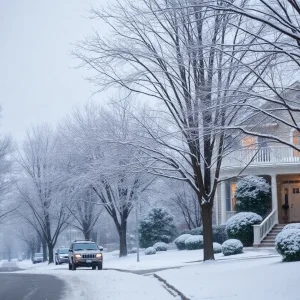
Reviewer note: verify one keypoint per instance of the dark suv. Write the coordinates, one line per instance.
(85, 254)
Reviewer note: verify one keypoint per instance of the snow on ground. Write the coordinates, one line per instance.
(174, 258)
(110, 284)
(87, 284)
(259, 279)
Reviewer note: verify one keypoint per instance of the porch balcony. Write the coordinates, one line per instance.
(273, 155)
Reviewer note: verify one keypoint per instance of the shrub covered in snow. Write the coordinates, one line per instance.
(232, 247)
(253, 195)
(180, 241)
(292, 226)
(133, 250)
(115, 253)
(160, 246)
(287, 244)
(219, 233)
(217, 247)
(194, 242)
(158, 226)
(150, 251)
(196, 231)
(240, 227)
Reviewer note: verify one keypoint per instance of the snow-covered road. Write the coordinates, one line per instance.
(109, 284)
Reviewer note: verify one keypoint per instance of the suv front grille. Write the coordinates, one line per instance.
(88, 255)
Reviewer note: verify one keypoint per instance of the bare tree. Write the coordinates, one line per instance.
(30, 237)
(6, 202)
(184, 201)
(86, 211)
(8, 244)
(183, 55)
(40, 188)
(98, 163)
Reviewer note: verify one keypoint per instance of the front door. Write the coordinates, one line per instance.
(295, 203)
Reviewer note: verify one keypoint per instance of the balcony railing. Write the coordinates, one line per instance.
(262, 156)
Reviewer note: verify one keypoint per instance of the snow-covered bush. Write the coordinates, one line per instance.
(194, 242)
(253, 195)
(287, 244)
(219, 233)
(180, 241)
(240, 227)
(196, 231)
(150, 251)
(232, 247)
(217, 247)
(157, 226)
(115, 253)
(292, 226)
(133, 250)
(160, 246)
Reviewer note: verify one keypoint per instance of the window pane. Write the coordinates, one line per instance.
(228, 201)
(249, 142)
(233, 200)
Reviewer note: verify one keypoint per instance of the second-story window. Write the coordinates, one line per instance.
(249, 142)
(296, 141)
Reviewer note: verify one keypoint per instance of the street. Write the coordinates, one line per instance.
(15, 286)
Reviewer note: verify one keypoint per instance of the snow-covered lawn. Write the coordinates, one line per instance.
(173, 258)
(253, 279)
(110, 284)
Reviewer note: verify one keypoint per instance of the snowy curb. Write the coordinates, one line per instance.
(183, 297)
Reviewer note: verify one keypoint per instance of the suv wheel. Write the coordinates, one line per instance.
(93, 267)
(73, 266)
(100, 266)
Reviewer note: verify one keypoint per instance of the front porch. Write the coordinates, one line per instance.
(285, 192)
(285, 189)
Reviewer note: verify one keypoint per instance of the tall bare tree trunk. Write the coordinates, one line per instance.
(123, 240)
(50, 250)
(206, 213)
(44, 246)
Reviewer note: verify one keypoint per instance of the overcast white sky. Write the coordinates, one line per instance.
(37, 80)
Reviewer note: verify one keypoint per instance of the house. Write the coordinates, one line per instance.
(278, 164)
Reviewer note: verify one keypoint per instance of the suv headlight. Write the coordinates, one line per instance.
(77, 255)
(99, 255)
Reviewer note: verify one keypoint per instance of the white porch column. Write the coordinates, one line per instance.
(274, 196)
(223, 202)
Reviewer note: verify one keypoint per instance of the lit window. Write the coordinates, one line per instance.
(249, 142)
(296, 141)
(233, 200)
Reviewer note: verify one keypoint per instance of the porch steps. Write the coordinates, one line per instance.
(269, 240)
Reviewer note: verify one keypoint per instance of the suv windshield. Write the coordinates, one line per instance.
(38, 255)
(63, 251)
(85, 246)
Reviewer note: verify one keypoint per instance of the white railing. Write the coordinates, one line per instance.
(262, 156)
(261, 230)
